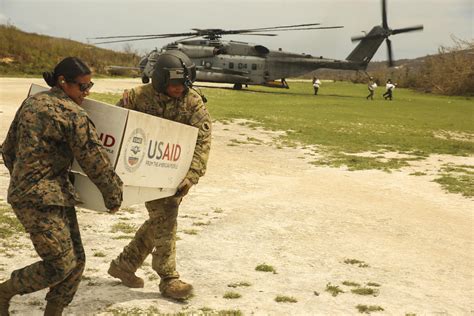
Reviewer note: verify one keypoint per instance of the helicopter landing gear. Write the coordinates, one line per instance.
(145, 79)
(237, 86)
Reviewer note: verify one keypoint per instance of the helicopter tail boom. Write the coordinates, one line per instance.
(367, 47)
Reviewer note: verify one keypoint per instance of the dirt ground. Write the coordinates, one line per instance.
(262, 204)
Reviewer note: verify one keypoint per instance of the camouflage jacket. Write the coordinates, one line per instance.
(48, 132)
(189, 109)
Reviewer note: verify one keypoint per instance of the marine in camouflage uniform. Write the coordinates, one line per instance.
(47, 133)
(158, 234)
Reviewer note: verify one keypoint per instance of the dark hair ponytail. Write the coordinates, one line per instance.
(70, 68)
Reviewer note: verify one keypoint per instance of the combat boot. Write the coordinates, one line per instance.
(128, 278)
(53, 309)
(175, 289)
(7, 291)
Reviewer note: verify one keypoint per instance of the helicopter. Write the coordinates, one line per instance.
(242, 63)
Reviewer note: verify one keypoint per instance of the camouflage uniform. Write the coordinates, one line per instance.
(47, 133)
(158, 234)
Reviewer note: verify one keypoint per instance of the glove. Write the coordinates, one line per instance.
(183, 188)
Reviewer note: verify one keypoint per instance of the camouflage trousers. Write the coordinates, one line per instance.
(156, 236)
(55, 234)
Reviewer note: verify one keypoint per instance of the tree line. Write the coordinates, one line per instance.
(24, 53)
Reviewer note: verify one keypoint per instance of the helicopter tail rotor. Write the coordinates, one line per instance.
(384, 32)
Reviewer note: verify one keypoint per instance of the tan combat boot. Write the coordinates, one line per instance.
(128, 279)
(53, 309)
(7, 291)
(175, 289)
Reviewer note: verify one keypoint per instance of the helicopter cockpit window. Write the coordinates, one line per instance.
(254, 66)
(231, 65)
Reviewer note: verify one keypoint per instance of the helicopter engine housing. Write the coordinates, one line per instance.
(198, 51)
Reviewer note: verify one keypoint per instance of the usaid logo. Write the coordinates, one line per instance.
(134, 150)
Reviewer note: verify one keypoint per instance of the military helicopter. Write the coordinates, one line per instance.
(242, 63)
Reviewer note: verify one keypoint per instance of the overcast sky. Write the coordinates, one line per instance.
(79, 20)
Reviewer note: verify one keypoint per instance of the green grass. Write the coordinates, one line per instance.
(265, 268)
(342, 122)
(190, 231)
(367, 309)
(360, 263)
(365, 291)
(123, 237)
(333, 289)
(239, 284)
(285, 299)
(128, 209)
(373, 284)
(134, 311)
(9, 224)
(35, 303)
(342, 119)
(201, 223)
(418, 173)
(123, 228)
(231, 295)
(153, 277)
(350, 283)
(211, 312)
(457, 179)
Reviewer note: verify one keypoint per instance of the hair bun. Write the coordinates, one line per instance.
(49, 78)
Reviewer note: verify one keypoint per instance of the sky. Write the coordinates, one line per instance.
(80, 20)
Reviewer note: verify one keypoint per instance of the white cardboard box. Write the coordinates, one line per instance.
(150, 154)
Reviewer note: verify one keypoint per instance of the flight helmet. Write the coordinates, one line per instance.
(173, 66)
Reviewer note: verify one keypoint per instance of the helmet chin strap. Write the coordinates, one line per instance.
(187, 81)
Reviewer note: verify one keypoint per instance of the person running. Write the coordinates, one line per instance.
(49, 131)
(389, 87)
(371, 86)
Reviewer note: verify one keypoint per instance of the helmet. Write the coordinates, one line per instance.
(173, 66)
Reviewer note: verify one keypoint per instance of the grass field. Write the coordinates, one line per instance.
(341, 122)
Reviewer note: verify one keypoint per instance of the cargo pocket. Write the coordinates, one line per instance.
(52, 244)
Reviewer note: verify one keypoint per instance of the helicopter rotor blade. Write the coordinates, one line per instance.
(384, 14)
(408, 29)
(149, 35)
(204, 31)
(392, 32)
(361, 37)
(389, 52)
(280, 27)
(186, 38)
(212, 34)
(357, 38)
(310, 28)
(132, 40)
(258, 34)
(248, 32)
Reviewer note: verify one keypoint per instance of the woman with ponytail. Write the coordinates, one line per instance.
(48, 132)
(73, 77)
